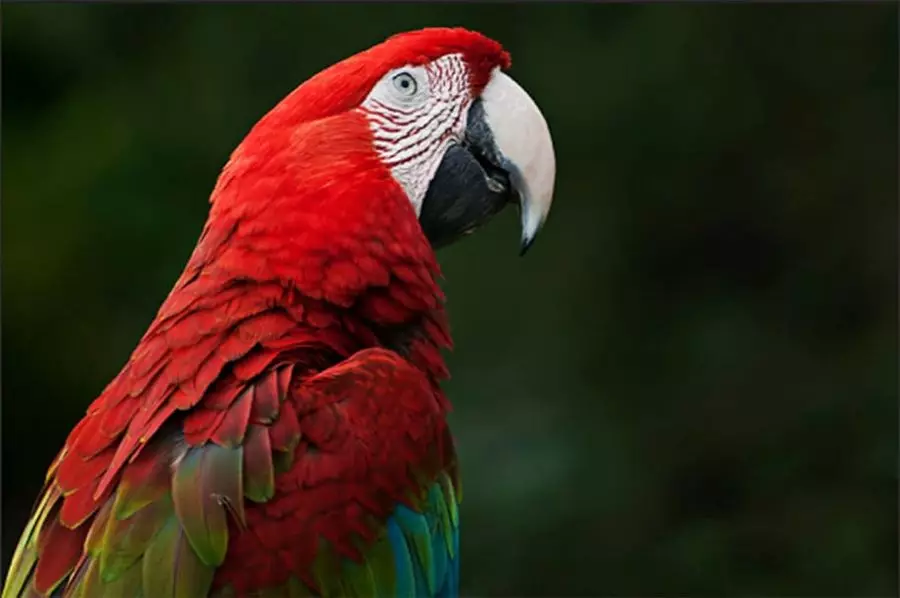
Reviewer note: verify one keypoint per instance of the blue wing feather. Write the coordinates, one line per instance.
(418, 538)
(430, 572)
(418, 555)
(403, 565)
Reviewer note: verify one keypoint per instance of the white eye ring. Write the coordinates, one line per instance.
(405, 84)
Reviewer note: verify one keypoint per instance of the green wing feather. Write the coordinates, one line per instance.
(164, 530)
(161, 534)
(172, 568)
(206, 480)
(25, 557)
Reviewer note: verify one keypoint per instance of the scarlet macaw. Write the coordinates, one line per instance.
(280, 429)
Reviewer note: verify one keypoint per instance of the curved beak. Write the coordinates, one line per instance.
(523, 141)
(506, 157)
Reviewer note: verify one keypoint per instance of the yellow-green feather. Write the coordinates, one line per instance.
(298, 589)
(326, 570)
(380, 558)
(171, 569)
(23, 561)
(359, 579)
(126, 540)
(85, 581)
(206, 480)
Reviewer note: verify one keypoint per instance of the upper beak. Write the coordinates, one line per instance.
(505, 157)
(525, 149)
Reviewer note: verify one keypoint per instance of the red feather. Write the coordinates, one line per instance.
(230, 432)
(74, 470)
(199, 423)
(81, 504)
(356, 414)
(267, 398)
(285, 432)
(62, 549)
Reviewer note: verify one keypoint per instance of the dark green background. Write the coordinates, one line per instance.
(687, 387)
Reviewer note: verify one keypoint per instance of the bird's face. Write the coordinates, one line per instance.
(462, 151)
(434, 108)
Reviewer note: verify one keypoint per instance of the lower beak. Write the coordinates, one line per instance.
(506, 157)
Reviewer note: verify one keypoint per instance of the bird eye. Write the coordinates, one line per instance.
(405, 84)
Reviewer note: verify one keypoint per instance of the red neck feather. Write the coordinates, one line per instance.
(313, 210)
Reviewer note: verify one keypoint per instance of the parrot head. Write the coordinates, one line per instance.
(433, 109)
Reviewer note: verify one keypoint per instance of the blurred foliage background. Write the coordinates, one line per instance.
(689, 386)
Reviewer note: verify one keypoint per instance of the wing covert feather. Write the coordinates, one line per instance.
(365, 503)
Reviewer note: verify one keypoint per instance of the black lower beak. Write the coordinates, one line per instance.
(469, 187)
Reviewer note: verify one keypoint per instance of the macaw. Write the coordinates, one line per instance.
(280, 428)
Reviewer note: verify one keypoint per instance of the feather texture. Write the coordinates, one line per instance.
(207, 481)
(178, 518)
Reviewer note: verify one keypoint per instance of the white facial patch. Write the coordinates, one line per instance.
(415, 113)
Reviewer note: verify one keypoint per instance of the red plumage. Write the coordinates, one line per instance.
(269, 345)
